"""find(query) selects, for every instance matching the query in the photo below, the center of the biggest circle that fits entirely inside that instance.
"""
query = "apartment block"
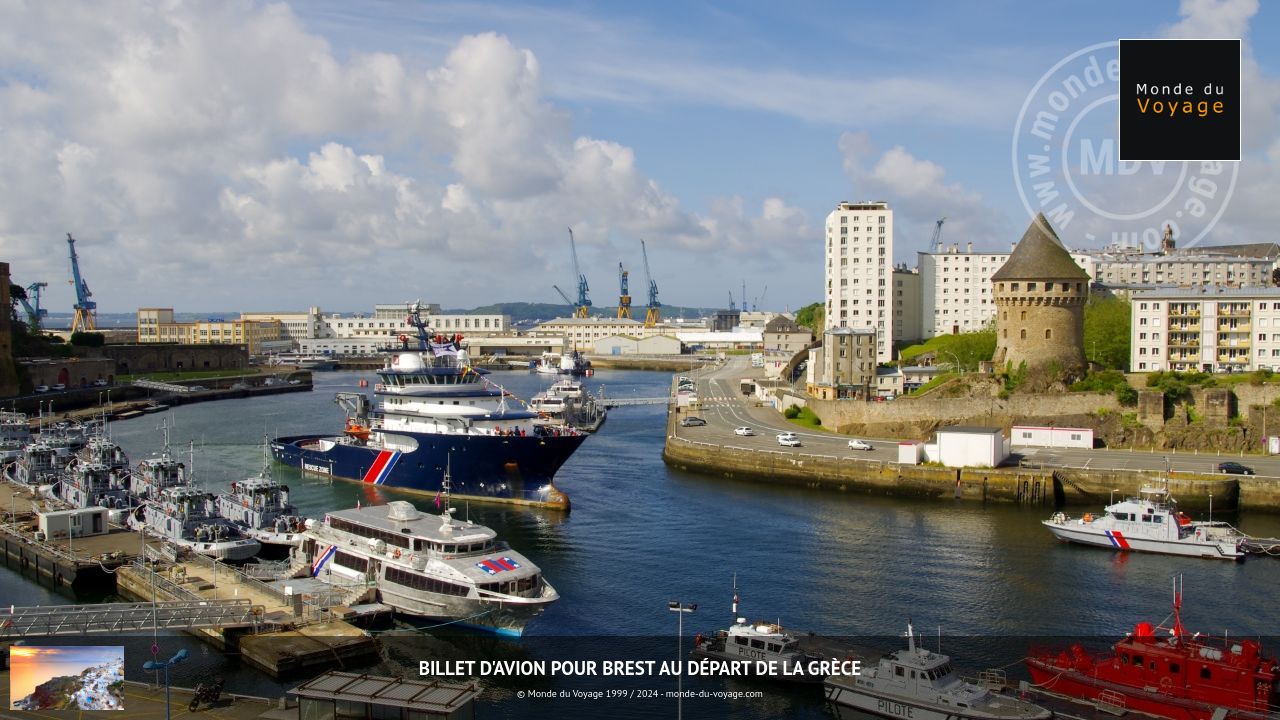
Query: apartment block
(859, 269)
(1210, 329)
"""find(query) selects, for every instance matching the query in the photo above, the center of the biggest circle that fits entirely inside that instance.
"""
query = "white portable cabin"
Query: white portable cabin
(1034, 436)
(1050, 437)
(81, 522)
(968, 446)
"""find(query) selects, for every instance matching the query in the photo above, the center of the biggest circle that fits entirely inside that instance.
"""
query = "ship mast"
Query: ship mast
(1178, 630)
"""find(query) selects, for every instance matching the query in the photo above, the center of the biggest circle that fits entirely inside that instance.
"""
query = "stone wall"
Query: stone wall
(918, 417)
(1085, 487)
(72, 372)
(138, 359)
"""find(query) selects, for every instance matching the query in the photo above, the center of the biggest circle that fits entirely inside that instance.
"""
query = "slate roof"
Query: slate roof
(1040, 255)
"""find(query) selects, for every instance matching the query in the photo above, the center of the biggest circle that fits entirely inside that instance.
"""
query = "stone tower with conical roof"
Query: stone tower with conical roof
(1039, 295)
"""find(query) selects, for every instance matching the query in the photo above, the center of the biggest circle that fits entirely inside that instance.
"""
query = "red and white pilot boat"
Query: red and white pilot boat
(1166, 672)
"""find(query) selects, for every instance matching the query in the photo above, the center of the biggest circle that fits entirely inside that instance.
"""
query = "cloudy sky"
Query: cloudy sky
(239, 155)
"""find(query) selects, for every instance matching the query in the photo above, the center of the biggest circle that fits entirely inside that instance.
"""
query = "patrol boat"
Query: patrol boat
(922, 685)
(1150, 522)
(765, 642)
(158, 472)
(180, 515)
(430, 566)
(89, 483)
(260, 508)
(430, 405)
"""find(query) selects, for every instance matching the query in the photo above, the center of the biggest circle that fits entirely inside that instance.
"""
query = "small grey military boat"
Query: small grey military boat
(921, 685)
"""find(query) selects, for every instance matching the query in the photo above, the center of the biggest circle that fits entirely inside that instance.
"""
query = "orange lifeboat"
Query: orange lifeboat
(356, 430)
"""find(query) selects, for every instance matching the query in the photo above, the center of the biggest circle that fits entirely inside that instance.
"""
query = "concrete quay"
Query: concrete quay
(1039, 477)
(297, 634)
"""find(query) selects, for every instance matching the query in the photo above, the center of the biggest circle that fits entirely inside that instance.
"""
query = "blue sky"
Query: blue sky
(252, 156)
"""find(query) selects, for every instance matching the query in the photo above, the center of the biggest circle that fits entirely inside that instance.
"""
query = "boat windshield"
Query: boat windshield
(939, 672)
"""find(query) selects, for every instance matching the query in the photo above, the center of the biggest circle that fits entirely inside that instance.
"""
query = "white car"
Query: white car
(744, 431)
(860, 445)
(789, 441)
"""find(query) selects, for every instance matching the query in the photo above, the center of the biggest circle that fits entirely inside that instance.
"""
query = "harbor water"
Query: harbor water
(640, 535)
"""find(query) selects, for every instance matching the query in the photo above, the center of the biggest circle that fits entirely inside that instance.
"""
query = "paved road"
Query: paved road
(724, 408)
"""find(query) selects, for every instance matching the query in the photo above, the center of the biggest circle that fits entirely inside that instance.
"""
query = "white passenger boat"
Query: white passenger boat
(431, 566)
(922, 685)
(1150, 522)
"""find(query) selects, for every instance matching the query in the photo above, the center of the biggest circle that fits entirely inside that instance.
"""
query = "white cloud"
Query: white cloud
(919, 194)
(221, 156)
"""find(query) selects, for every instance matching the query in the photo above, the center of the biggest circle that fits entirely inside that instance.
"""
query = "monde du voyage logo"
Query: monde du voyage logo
(1169, 160)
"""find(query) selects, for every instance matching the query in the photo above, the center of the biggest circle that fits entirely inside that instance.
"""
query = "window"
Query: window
(1048, 334)
(1024, 334)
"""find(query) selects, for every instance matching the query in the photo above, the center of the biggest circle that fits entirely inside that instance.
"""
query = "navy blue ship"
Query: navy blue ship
(432, 406)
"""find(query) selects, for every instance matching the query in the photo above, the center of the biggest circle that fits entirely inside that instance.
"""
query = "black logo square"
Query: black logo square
(1179, 100)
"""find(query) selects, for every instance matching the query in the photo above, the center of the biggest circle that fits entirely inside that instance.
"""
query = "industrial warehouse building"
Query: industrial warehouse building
(627, 345)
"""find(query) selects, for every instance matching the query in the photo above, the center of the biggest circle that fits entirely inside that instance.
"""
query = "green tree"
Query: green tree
(88, 339)
(1106, 331)
(812, 316)
(966, 349)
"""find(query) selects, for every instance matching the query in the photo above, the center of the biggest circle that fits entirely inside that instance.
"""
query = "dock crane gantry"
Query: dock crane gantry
(652, 313)
(86, 317)
(584, 300)
(624, 294)
(567, 301)
(31, 304)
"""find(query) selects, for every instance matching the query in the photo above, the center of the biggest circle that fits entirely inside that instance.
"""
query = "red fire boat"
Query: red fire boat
(1166, 672)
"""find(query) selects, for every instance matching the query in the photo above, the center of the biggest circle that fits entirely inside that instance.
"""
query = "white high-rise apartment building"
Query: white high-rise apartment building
(859, 271)
(955, 287)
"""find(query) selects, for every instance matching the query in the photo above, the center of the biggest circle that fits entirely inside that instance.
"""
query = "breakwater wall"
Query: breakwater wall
(1028, 486)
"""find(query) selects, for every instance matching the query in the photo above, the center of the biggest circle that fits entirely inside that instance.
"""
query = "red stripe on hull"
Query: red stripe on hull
(1124, 544)
(376, 468)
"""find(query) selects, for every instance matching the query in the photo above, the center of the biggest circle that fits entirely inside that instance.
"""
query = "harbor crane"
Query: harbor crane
(652, 313)
(937, 234)
(567, 301)
(86, 317)
(31, 304)
(624, 295)
(732, 306)
(755, 304)
(584, 300)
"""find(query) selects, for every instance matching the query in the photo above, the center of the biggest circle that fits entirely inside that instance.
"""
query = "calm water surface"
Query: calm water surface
(641, 534)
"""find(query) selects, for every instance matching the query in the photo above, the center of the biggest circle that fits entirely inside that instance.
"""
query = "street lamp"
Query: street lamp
(680, 609)
(955, 357)
(165, 665)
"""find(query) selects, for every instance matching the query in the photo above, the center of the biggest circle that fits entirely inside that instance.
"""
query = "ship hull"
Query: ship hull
(843, 693)
(1085, 688)
(483, 467)
(1130, 542)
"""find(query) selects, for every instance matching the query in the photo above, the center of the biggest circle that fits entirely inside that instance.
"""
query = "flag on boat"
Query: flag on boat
(494, 566)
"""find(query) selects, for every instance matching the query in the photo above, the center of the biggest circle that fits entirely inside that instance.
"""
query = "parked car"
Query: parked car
(1235, 468)
(59, 387)
(42, 388)
(744, 431)
(789, 441)
(693, 422)
(856, 444)
(99, 383)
